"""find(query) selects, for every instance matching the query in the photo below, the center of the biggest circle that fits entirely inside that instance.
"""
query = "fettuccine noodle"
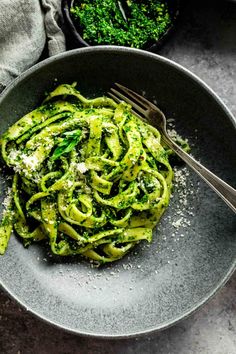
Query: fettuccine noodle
(90, 177)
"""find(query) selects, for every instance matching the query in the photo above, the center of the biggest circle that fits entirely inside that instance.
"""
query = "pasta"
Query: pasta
(90, 177)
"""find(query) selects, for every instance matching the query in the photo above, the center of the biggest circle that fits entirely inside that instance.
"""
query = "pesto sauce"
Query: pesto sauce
(90, 184)
(132, 23)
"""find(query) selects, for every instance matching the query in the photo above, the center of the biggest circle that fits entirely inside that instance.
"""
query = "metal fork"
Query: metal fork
(156, 117)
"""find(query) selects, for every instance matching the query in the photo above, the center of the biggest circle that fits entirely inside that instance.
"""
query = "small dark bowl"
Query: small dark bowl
(76, 40)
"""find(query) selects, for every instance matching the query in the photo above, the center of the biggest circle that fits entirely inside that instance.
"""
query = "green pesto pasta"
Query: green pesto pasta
(90, 178)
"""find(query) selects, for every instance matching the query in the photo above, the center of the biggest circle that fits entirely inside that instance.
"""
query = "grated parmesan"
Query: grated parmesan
(81, 167)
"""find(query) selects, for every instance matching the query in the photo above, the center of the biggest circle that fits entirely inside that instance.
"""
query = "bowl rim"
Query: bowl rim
(212, 93)
(80, 42)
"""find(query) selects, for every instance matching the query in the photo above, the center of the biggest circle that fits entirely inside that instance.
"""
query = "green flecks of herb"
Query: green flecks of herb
(144, 199)
(90, 110)
(47, 107)
(71, 139)
(127, 129)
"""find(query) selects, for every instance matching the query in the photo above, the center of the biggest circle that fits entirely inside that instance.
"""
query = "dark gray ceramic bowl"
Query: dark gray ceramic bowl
(156, 286)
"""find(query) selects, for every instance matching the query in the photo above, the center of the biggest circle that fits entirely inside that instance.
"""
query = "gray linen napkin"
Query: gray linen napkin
(26, 26)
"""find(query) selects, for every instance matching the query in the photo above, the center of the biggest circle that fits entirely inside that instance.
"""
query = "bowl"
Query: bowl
(155, 285)
(76, 40)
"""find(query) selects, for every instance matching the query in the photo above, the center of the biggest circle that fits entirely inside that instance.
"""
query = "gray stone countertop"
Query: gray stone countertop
(205, 43)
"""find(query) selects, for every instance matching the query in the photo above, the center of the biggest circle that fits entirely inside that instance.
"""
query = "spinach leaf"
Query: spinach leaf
(71, 139)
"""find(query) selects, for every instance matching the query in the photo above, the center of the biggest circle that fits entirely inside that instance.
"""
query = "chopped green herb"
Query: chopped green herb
(131, 23)
(68, 143)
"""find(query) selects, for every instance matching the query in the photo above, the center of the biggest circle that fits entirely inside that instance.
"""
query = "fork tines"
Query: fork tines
(138, 98)
(138, 103)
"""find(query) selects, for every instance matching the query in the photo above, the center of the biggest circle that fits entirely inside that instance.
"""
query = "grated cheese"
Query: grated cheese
(81, 167)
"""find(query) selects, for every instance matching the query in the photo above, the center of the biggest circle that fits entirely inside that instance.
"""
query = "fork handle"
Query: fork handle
(224, 190)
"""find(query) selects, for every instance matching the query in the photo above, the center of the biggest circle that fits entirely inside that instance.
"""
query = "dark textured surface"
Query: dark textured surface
(205, 43)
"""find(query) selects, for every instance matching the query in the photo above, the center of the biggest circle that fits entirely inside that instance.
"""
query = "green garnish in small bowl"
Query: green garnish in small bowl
(132, 23)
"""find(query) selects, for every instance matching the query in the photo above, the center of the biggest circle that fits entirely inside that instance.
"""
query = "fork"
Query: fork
(143, 108)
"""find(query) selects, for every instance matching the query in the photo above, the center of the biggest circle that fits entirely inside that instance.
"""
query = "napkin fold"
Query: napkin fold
(27, 27)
